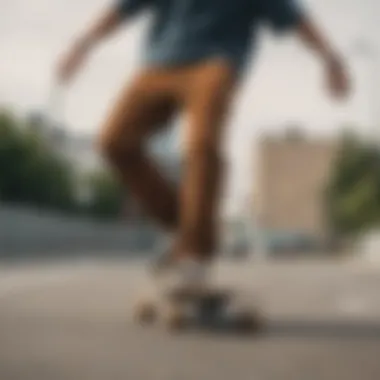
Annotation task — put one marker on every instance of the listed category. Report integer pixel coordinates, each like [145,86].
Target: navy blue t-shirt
[189,31]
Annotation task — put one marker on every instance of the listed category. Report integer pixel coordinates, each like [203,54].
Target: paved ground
[73,322]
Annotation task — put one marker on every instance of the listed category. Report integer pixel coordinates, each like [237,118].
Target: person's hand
[72,61]
[338,81]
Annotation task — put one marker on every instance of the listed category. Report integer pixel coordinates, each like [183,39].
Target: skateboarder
[194,59]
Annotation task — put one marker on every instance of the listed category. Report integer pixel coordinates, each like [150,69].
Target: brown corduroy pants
[202,93]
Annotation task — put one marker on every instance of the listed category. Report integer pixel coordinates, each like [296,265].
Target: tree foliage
[353,193]
[32,172]
[106,195]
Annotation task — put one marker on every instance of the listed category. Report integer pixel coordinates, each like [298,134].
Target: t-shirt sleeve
[129,8]
[282,15]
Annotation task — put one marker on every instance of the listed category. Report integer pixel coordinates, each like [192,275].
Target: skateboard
[181,309]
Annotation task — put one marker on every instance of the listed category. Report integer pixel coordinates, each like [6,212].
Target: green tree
[107,196]
[353,192]
[30,171]
[13,157]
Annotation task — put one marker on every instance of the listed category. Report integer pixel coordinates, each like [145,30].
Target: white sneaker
[188,274]
[163,258]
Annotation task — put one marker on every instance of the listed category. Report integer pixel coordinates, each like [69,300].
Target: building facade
[292,174]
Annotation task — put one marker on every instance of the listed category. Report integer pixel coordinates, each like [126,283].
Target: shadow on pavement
[296,329]
[323,329]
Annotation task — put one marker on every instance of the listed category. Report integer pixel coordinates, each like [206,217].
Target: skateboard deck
[213,308]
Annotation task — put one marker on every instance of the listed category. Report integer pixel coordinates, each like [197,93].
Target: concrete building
[292,172]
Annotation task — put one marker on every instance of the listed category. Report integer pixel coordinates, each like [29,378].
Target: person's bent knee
[205,153]
[115,149]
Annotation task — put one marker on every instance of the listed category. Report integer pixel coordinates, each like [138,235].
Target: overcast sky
[285,84]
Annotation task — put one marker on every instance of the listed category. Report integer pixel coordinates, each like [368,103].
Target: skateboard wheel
[175,320]
[146,313]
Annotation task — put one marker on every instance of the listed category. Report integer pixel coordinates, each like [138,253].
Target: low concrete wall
[31,232]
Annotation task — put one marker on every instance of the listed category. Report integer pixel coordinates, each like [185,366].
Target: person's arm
[313,38]
[111,19]
[286,15]
[104,26]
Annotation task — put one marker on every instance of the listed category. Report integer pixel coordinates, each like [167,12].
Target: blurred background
[301,204]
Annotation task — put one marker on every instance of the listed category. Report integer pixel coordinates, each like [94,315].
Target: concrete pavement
[73,321]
